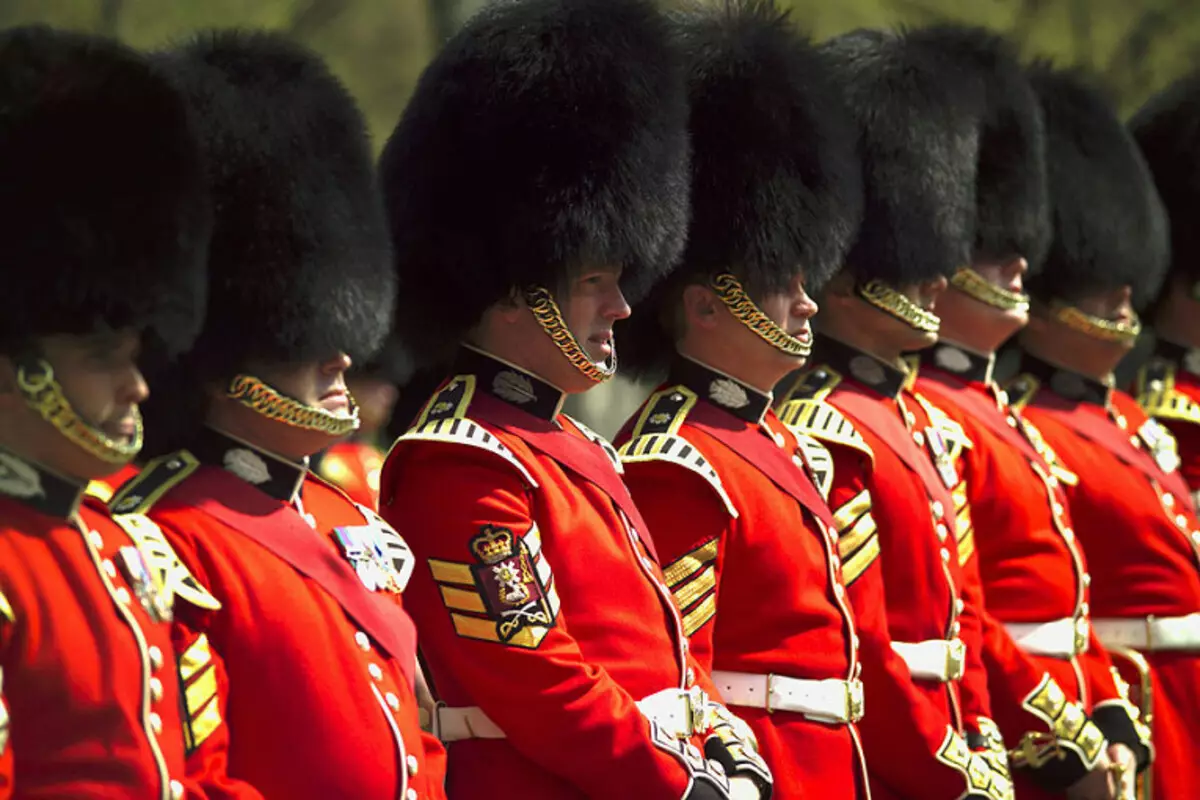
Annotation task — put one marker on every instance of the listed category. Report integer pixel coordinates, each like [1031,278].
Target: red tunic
[1168,389]
[540,602]
[88,658]
[1017,535]
[321,668]
[1140,535]
[754,568]
[893,502]
[354,467]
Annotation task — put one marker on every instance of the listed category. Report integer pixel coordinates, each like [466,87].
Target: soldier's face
[592,304]
[976,324]
[792,310]
[321,384]
[100,378]
[925,295]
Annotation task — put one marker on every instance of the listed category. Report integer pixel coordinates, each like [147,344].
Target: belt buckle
[1082,629]
[854,700]
[956,659]
[695,705]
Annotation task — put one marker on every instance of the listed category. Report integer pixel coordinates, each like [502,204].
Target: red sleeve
[560,711]
[691,548]
[977,704]
[909,745]
[1112,710]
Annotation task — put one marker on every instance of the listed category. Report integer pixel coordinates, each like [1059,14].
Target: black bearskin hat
[1168,131]
[547,134]
[300,263]
[1011,200]
[918,108]
[776,180]
[1110,228]
[104,219]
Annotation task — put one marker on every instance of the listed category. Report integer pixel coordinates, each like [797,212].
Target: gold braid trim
[885,298]
[971,283]
[548,315]
[45,396]
[259,397]
[1097,328]
[730,290]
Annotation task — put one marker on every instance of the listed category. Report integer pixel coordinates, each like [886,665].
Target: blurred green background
[379,47]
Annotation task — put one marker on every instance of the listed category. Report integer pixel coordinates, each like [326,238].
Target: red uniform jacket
[92,672]
[354,467]
[1168,389]
[895,518]
[1140,535]
[1016,534]
[752,563]
[539,599]
[320,655]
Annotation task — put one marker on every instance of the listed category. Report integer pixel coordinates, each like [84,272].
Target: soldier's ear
[700,306]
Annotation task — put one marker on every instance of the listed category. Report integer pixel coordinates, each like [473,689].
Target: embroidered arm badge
[198,678]
[507,595]
[692,579]
[858,537]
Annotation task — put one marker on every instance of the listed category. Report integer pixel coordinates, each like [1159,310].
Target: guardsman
[1130,507]
[98,619]
[1046,670]
[892,506]
[776,197]
[539,170]
[1168,385]
[321,657]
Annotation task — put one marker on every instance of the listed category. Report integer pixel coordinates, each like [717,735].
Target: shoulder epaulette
[656,438]
[952,432]
[823,422]
[172,574]
[1158,397]
[99,490]
[1021,390]
[158,477]
[815,384]
[601,442]
[444,420]
[820,462]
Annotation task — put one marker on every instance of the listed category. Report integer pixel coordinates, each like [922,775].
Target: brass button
[1087,580]
[375,671]
[413,766]
[156,689]
[363,641]
[123,596]
[155,724]
[955,628]
[176,790]
[1069,535]
[937,508]
[919,438]
[392,701]
[1168,500]
[1181,520]
[109,568]
[942,532]
[96,539]
[959,606]
[156,658]
[945,555]
[411,794]
[779,440]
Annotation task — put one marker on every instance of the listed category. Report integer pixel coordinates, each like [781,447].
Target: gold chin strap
[256,395]
[885,298]
[1096,327]
[971,283]
[548,315]
[730,290]
[45,396]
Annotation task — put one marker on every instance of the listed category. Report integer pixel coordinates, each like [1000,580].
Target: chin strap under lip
[260,397]
[1096,327]
[974,285]
[550,318]
[887,299]
[730,290]
[35,379]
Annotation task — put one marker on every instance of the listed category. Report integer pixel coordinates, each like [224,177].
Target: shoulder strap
[655,438]
[1157,395]
[444,419]
[815,384]
[820,462]
[1021,390]
[173,576]
[823,422]
[139,494]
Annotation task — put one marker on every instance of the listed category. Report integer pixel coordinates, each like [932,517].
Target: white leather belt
[1150,633]
[940,660]
[1062,638]
[828,700]
[678,712]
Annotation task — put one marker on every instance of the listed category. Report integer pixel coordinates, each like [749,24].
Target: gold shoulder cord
[258,396]
[885,298]
[730,290]
[971,283]
[1097,328]
[548,315]
[45,396]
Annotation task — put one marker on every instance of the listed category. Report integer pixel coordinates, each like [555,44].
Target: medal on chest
[1161,444]
[380,558]
[156,602]
[936,445]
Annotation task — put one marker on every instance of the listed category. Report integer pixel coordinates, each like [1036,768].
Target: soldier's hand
[1097,784]
[742,788]
[1124,769]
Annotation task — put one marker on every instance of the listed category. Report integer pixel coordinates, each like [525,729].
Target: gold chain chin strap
[971,283]
[885,298]
[730,290]
[1096,327]
[45,396]
[548,315]
[256,395]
